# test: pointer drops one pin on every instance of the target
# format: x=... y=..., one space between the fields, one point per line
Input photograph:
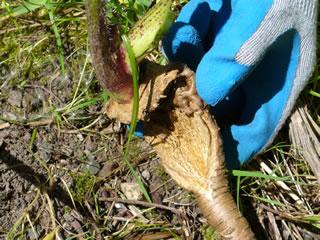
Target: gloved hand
x=252 y=59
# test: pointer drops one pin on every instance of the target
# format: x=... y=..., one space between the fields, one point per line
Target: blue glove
x=252 y=59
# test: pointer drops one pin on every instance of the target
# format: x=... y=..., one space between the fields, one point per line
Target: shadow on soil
x=39 y=180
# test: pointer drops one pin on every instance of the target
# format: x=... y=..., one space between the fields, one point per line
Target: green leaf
x=26 y=7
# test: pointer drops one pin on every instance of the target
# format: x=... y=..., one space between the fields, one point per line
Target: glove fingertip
x=208 y=84
x=183 y=44
x=217 y=77
x=197 y=13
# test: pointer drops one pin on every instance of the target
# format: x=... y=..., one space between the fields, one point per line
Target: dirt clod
x=15 y=98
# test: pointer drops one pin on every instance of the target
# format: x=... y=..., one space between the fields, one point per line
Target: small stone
x=64 y=162
x=19 y=187
x=131 y=190
x=15 y=98
x=146 y=175
x=118 y=205
x=92 y=167
x=80 y=137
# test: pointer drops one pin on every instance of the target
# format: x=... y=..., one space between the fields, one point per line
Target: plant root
x=180 y=128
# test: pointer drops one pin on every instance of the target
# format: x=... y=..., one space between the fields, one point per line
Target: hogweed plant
x=176 y=122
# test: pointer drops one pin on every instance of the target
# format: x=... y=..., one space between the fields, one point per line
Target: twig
x=142 y=203
x=153 y=236
x=26 y=122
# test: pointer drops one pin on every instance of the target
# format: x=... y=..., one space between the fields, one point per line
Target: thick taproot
x=187 y=139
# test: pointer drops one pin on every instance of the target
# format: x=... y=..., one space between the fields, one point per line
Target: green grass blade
x=314 y=93
x=273 y=202
x=134 y=116
x=312 y=219
x=240 y=173
x=86 y=104
x=33 y=138
x=57 y=36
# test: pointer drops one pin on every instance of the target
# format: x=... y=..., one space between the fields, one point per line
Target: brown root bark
x=186 y=137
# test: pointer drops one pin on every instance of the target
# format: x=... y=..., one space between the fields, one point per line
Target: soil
x=37 y=159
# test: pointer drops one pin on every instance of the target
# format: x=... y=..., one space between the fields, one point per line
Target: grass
x=135 y=111
x=281 y=187
x=44 y=46
x=57 y=36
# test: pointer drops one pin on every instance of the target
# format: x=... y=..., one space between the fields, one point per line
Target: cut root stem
x=186 y=137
